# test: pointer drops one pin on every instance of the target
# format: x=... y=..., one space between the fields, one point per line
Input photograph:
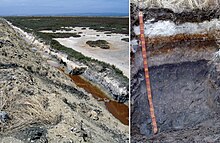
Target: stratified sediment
x=184 y=74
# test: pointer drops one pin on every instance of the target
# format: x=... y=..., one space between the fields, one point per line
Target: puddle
x=118 y=110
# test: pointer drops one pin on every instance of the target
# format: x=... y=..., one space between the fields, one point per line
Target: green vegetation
x=99 y=43
x=35 y=24
x=47 y=37
x=71 y=53
x=66 y=29
x=63 y=35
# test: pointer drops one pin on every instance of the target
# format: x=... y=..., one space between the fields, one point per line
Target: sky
x=59 y=7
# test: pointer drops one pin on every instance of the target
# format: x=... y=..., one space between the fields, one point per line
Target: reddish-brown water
x=118 y=110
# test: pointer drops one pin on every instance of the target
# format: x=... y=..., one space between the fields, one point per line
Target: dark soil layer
x=196 y=15
x=157 y=14
x=33 y=134
x=185 y=97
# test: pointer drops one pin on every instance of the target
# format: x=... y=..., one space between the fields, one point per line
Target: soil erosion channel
x=118 y=110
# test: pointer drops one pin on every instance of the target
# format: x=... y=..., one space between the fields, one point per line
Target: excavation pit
x=184 y=95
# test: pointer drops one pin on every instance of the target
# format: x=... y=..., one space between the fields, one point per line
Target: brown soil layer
x=159 y=45
x=167 y=44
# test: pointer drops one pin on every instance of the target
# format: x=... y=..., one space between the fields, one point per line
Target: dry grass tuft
x=5 y=101
x=24 y=111
x=34 y=110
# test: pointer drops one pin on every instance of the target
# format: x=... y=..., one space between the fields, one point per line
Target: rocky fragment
x=4 y=117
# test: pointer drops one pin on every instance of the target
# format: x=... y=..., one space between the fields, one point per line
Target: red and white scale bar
x=147 y=77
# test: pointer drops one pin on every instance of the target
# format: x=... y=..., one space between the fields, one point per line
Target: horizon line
x=109 y=14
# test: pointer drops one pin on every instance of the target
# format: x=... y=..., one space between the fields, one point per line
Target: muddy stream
x=118 y=110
